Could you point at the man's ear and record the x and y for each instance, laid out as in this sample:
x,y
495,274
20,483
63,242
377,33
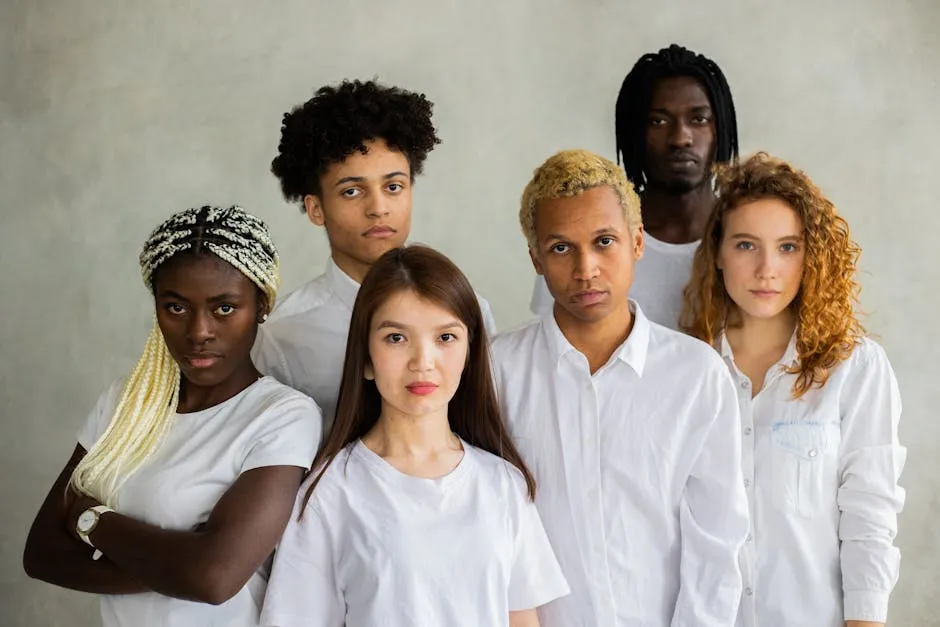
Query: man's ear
x,y
314,209
639,243
536,262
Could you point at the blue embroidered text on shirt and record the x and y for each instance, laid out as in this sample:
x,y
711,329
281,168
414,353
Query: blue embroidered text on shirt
x,y
807,439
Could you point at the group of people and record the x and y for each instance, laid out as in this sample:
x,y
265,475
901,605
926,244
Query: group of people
x,y
693,431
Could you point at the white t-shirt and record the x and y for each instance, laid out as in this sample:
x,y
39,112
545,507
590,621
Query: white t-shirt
x,y
378,548
303,342
822,481
267,424
660,276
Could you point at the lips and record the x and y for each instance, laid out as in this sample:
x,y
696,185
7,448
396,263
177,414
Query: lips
x,y
379,231
422,388
765,293
202,360
589,297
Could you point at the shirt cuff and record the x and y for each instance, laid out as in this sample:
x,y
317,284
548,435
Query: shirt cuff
x,y
866,605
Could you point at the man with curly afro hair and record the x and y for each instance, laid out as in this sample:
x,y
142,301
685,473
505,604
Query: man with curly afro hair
x,y
348,157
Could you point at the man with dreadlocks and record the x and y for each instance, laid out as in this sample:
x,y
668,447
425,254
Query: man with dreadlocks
x,y
185,472
348,157
674,119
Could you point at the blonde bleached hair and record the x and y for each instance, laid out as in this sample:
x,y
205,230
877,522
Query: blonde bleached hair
x,y
572,172
144,413
827,326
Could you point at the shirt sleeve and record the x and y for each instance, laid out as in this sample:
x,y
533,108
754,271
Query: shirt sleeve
x,y
268,357
303,590
713,521
870,463
536,576
100,417
290,435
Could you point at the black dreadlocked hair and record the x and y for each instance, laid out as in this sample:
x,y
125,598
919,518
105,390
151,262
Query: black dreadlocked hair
x,y
338,120
633,104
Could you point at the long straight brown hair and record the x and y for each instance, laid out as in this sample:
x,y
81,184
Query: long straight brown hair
x,y
473,412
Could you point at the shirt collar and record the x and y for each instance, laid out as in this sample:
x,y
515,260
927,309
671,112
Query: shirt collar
x,y
632,352
341,284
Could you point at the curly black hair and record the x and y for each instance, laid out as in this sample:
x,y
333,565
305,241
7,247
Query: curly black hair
x,y
338,120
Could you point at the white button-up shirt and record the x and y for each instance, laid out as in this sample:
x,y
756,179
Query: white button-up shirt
x,y
822,479
303,342
638,470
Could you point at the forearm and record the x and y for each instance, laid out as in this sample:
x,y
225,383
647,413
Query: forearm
x,y
862,623
180,564
66,562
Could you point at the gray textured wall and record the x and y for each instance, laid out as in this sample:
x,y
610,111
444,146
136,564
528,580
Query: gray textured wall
x,y
112,115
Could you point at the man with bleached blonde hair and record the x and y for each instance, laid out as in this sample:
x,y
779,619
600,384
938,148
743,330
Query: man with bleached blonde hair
x,y
632,429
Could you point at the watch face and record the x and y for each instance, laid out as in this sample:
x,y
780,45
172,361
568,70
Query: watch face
x,y
86,521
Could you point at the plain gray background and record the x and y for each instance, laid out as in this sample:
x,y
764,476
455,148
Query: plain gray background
x,y
115,114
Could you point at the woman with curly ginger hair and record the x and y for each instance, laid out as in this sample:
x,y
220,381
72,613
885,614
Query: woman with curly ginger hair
x,y
774,289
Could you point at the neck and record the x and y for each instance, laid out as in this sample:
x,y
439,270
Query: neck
x,y
596,340
412,437
356,270
195,398
760,335
677,218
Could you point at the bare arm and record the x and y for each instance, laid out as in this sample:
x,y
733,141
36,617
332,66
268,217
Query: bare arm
x,y
525,618
54,556
862,623
213,563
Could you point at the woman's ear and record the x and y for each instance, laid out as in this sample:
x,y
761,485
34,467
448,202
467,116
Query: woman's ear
x,y
263,307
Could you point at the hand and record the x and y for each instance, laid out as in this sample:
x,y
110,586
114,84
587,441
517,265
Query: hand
x,y
862,623
80,502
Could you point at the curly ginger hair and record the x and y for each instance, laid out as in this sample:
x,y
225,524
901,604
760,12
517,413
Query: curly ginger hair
x,y
827,326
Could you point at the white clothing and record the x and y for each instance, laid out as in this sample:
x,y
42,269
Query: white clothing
x,y
267,424
303,342
378,548
640,489
821,474
659,278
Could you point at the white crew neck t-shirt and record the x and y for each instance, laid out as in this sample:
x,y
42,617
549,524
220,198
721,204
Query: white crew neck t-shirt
x,y
266,424
658,280
376,547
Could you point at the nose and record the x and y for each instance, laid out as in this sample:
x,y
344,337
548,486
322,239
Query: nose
x,y
586,266
680,135
201,327
767,266
422,356
377,205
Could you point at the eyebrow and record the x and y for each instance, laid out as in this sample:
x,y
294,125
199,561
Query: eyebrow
x,y
704,108
362,179
211,299
391,324
749,236
607,230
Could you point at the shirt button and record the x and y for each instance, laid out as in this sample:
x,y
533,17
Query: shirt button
x,y
745,384
748,591
812,452
749,537
747,430
747,483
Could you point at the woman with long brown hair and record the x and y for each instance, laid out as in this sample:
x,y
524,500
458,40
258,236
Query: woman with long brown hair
x,y
419,510
774,289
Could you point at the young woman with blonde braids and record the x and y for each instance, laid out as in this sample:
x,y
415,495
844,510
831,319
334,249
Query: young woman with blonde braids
x,y
185,473
774,289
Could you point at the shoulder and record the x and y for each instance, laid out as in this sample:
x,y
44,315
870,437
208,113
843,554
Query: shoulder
x,y
310,295
332,483
684,350
511,341
269,405
868,359
499,476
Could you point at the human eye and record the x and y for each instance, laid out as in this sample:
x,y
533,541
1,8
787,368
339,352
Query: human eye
x,y
657,121
789,247
559,249
394,338
606,241
744,246
175,308
225,310
447,338
351,192
395,188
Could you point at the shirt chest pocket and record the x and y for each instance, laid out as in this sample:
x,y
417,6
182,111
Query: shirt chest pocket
x,y
804,458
